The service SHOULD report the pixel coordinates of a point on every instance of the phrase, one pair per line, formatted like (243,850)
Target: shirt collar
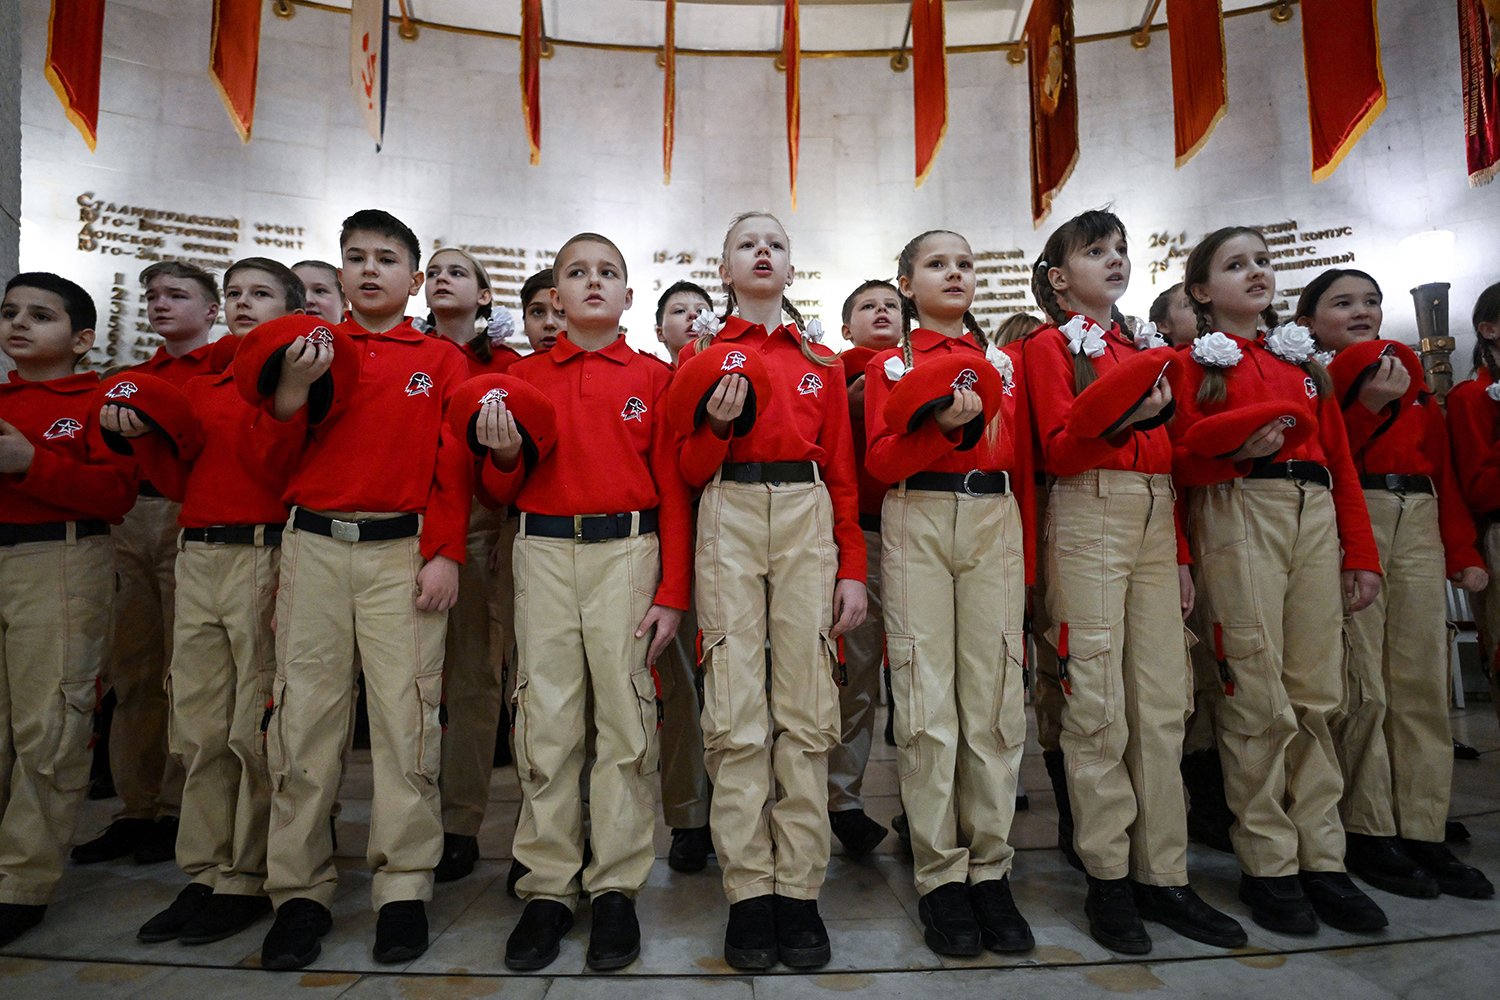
(565,350)
(74,383)
(925,340)
(401,331)
(736,328)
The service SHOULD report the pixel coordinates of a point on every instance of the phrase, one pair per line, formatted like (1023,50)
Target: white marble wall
(455,159)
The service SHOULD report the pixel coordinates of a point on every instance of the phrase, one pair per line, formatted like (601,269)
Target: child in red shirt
(325,296)
(58,488)
(542,319)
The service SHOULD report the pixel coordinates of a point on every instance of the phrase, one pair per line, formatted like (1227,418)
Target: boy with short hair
(601,560)
(380,516)
(182,302)
(58,488)
(223,650)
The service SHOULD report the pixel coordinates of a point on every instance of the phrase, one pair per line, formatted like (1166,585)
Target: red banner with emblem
(669,93)
(1345,84)
(791,55)
(75,49)
(1479,62)
(1200,91)
(1054,102)
(234,57)
(531,75)
(929,60)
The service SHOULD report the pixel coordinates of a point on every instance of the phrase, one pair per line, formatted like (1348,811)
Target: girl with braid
(780,555)
(1117,589)
(947,429)
(1275,498)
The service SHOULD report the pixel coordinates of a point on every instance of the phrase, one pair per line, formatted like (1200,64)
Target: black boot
(400,931)
(293,940)
(18,918)
(750,937)
(856,831)
(1453,876)
(801,938)
(1383,863)
(168,924)
(690,849)
(1113,919)
(224,915)
(1057,773)
(122,837)
(158,843)
(615,939)
(1278,904)
(1208,818)
(1184,911)
(1340,903)
(535,941)
(947,915)
(459,854)
(1001,926)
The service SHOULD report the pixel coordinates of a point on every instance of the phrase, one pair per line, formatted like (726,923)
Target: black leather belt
(869,522)
(974,482)
(589,527)
(769,472)
(235,534)
(384,530)
(1302,472)
(55,531)
(1398,483)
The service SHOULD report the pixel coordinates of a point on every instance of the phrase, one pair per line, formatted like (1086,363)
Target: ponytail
(1045,295)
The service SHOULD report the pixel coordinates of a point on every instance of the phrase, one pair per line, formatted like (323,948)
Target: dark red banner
(791,54)
(531,75)
(1478,27)
(929,60)
(234,57)
(1200,92)
(1054,102)
(75,47)
(1345,85)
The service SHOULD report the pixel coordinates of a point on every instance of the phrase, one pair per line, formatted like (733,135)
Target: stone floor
(1444,948)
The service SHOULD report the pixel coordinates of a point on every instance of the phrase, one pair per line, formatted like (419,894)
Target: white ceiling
(756,24)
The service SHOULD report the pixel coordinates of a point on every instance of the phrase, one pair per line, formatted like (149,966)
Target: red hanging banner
(1345,85)
(531,75)
(669,94)
(234,55)
(1479,63)
(1200,92)
(75,48)
(1054,102)
(929,58)
(791,51)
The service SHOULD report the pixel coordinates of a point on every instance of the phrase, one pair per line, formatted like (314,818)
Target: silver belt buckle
(344,531)
(968,476)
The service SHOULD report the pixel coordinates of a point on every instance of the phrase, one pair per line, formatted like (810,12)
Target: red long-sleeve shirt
(806,421)
(895,453)
(388,448)
(1474,435)
(614,450)
(871,490)
(73,476)
(1261,375)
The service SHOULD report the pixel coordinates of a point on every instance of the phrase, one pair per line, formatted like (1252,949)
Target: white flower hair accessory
(1324,358)
(1493,391)
(1147,337)
(1217,350)
(1084,336)
(501,327)
(706,323)
(1291,343)
(814,331)
(1003,364)
(895,368)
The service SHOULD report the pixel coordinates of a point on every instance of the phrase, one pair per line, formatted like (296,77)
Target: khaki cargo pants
(864,655)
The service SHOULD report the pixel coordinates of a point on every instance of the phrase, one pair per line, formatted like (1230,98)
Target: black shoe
(459,854)
(122,837)
(1184,911)
(158,843)
(535,941)
(750,937)
(400,931)
(18,918)
(857,832)
(615,939)
(1340,903)
(690,849)
(1001,926)
(1382,862)
(224,915)
(102,787)
(1278,904)
(947,916)
(1113,919)
(903,832)
(1208,817)
(292,941)
(517,872)
(1452,875)
(801,938)
(168,924)
(1057,773)
(1455,832)
(1023,802)
(1462,751)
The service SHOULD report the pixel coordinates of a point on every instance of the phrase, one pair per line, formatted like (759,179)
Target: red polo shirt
(1474,432)
(807,421)
(179,369)
(1261,375)
(387,448)
(502,356)
(614,450)
(73,476)
(871,490)
(895,453)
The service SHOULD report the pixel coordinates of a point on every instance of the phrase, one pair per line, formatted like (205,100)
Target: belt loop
(718,479)
(522,529)
(901,489)
(72,536)
(181,540)
(260,536)
(817,473)
(635,523)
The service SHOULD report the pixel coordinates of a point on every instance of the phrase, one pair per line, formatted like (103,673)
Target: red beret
(1100,411)
(257,363)
(1223,434)
(923,390)
(856,360)
(1353,365)
(536,418)
(698,377)
(222,355)
(160,404)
